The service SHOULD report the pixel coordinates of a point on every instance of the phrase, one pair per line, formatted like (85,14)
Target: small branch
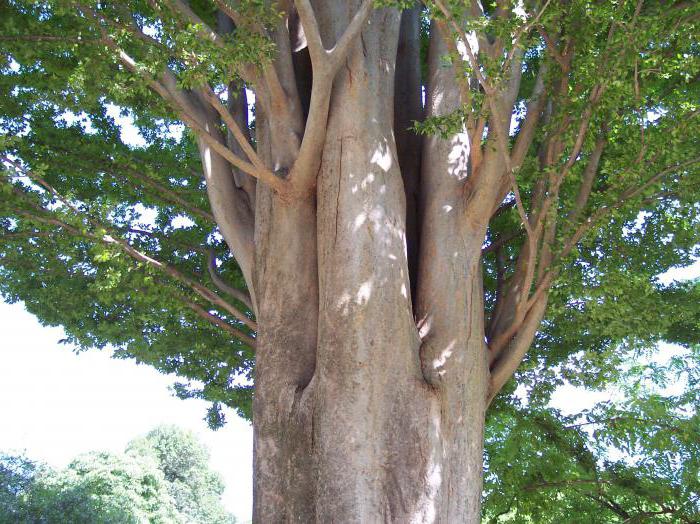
(47,38)
(165,193)
(626,195)
(587,179)
(488,89)
(521,31)
(223,286)
(552,48)
(527,131)
(500,242)
(500,286)
(232,126)
(564,483)
(219,322)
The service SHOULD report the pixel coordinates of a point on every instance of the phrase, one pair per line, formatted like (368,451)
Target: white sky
(55,405)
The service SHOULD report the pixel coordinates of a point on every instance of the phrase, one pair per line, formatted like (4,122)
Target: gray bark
(372,375)
(349,426)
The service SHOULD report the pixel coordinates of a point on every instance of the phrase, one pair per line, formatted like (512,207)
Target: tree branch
(509,360)
(587,179)
(232,126)
(108,239)
(223,286)
(219,322)
(325,63)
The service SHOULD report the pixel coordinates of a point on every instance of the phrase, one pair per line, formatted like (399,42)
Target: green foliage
(17,473)
(59,116)
(101,487)
(194,488)
(634,458)
(63,93)
(163,477)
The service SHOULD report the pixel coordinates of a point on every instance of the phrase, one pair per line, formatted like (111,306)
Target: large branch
(110,237)
(325,63)
(164,193)
(506,364)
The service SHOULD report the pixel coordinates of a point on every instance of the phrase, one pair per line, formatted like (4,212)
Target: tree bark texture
(372,366)
(356,419)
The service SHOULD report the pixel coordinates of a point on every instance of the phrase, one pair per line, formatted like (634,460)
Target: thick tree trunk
(350,426)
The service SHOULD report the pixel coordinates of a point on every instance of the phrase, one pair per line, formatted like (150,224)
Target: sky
(55,405)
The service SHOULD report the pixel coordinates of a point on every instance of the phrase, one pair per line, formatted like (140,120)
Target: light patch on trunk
(364,293)
(359,220)
(445,354)
(205,153)
(382,158)
(458,157)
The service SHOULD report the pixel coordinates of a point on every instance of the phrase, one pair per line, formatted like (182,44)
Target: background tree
(195,489)
(16,476)
(100,487)
(151,482)
(390,281)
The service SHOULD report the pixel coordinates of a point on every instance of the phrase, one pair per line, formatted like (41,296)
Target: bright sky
(55,405)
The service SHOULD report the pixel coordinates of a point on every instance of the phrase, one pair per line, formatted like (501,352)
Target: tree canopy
(633,457)
(114,241)
(113,237)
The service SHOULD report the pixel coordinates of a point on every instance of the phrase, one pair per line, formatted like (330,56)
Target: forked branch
(325,63)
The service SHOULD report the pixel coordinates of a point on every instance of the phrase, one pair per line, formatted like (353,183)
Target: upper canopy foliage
(111,236)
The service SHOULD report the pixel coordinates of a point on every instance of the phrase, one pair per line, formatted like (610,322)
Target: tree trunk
(356,419)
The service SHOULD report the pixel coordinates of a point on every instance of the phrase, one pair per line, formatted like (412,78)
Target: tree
(16,476)
(95,487)
(163,477)
(392,209)
(195,489)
